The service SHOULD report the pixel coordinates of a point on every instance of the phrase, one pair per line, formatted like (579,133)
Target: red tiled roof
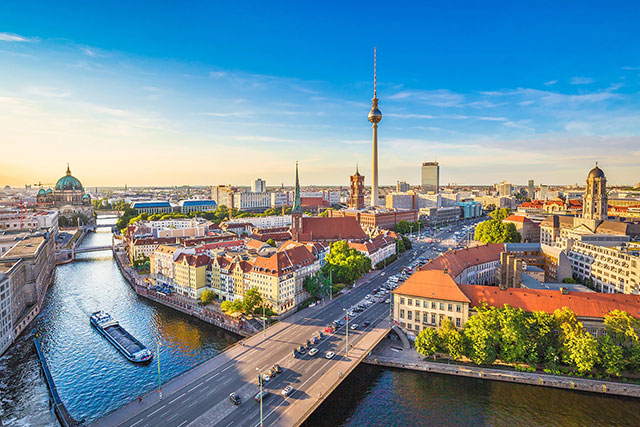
(313,201)
(432,284)
(584,304)
(337,228)
(193,260)
(254,243)
(517,218)
(456,261)
(283,262)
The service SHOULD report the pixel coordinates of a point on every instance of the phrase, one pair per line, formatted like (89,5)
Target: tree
(271,242)
(496,231)
(311,284)
(543,340)
(500,214)
(346,264)
(578,347)
(428,342)
(236,306)
(624,330)
(481,333)
(207,296)
(252,299)
(514,334)
(611,356)
(450,339)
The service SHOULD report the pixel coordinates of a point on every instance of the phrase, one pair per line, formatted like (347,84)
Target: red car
(329,329)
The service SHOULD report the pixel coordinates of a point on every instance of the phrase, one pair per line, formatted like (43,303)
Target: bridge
(81,250)
(200,396)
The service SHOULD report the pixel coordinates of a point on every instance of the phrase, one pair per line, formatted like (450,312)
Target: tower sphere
(375,115)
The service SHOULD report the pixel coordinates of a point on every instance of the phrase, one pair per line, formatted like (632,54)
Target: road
(200,397)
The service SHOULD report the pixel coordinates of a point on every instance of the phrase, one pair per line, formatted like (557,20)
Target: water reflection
(92,377)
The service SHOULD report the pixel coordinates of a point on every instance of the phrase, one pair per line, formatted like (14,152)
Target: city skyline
(140,108)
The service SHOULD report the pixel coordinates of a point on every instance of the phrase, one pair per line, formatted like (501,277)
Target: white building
(251,201)
(6,326)
(281,198)
(259,186)
(273,221)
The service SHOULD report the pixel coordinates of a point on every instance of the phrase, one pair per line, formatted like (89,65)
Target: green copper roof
(69,182)
(296,202)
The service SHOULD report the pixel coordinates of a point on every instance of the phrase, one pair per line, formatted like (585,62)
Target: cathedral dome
(42,192)
(69,183)
(596,172)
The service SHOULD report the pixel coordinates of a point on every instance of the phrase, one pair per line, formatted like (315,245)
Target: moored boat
(129,346)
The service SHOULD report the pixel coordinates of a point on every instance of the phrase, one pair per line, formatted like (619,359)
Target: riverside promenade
(391,354)
(209,314)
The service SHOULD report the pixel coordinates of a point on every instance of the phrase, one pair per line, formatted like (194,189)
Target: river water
(93,378)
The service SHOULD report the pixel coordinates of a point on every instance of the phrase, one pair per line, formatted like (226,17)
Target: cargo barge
(130,347)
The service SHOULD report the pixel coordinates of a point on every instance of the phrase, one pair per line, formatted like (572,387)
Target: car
(276,368)
(365,323)
(295,352)
(388,301)
(272,373)
(330,354)
(234,398)
(382,274)
(354,326)
(287,390)
(261,395)
(266,377)
(313,352)
(302,350)
(313,304)
(329,329)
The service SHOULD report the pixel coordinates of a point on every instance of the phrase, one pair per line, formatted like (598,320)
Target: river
(93,378)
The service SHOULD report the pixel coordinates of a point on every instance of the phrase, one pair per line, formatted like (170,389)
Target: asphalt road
(205,399)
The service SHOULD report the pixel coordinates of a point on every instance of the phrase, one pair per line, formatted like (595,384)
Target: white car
(330,354)
(313,352)
(354,326)
(266,377)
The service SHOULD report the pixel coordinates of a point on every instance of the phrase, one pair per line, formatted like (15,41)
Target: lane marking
(181,424)
(178,397)
(159,409)
(137,422)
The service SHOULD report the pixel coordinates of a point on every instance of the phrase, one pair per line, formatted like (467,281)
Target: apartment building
(190,274)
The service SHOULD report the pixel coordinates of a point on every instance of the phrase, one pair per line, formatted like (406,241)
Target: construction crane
(40,184)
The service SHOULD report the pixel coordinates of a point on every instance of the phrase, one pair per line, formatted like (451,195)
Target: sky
(207,93)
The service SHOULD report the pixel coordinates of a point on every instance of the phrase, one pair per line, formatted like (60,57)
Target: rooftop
(436,284)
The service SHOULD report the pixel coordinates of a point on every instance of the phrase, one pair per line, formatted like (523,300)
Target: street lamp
(159,380)
(260,384)
(347,317)
(391,310)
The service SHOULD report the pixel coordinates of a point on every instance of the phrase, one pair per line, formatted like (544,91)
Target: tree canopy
(496,231)
(346,264)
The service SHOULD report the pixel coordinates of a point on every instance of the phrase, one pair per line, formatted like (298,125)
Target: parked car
(295,352)
(276,368)
(234,398)
(266,377)
(262,395)
(313,352)
(329,329)
(302,350)
(330,354)
(287,390)
(365,323)
(354,326)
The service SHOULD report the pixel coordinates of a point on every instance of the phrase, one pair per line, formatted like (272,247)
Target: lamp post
(391,310)
(264,323)
(347,317)
(159,380)
(260,384)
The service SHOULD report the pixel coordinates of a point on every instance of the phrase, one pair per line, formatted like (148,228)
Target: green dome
(41,191)
(69,182)
(49,191)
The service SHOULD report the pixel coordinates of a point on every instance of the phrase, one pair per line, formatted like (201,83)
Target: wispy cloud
(48,92)
(446,116)
(550,82)
(437,98)
(630,68)
(232,114)
(11,37)
(582,81)
(262,138)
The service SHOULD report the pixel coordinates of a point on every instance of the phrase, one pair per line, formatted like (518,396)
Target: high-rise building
(402,186)
(374,117)
(430,179)
(504,188)
(531,190)
(259,186)
(356,200)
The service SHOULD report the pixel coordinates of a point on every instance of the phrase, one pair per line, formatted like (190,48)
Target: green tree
(312,285)
(346,264)
(271,242)
(496,231)
(252,299)
(500,214)
(515,332)
(543,340)
(207,296)
(624,330)
(450,339)
(236,306)
(428,342)
(481,333)
(611,356)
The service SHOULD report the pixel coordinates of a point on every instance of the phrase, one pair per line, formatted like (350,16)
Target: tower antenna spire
(375,73)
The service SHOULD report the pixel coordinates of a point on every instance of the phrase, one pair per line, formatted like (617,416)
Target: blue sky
(201,93)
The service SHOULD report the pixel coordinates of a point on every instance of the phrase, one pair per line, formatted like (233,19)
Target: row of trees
(405,227)
(496,231)
(248,305)
(512,335)
(105,205)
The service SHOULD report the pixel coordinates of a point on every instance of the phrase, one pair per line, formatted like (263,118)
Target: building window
(409,301)
(401,300)
(408,325)
(433,305)
(424,304)
(450,307)
(425,317)
(458,322)
(458,308)
(409,314)
(442,306)
(433,319)
(402,314)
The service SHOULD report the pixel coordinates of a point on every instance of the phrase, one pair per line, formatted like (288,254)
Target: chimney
(564,291)
(446,271)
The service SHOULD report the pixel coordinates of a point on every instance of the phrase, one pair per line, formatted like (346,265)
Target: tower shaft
(374,175)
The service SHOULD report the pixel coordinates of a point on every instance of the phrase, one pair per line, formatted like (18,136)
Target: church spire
(68,170)
(296,202)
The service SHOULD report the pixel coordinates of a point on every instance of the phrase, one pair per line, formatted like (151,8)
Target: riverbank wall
(537,379)
(207,314)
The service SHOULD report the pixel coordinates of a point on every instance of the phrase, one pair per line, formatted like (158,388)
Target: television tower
(374,117)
